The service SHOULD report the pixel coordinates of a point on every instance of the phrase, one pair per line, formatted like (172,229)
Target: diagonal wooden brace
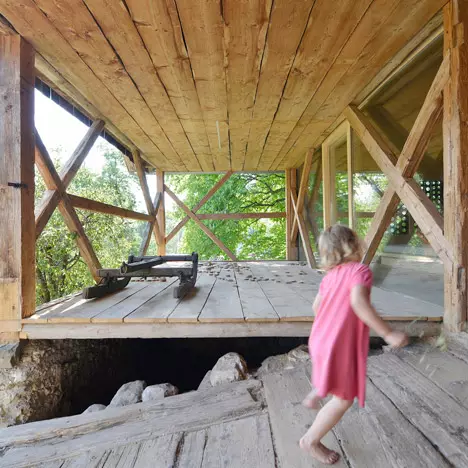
(197,221)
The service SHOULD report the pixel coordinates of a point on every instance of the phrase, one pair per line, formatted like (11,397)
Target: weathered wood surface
(17,241)
(75,435)
(380,436)
(223,304)
(424,404)
(290,420)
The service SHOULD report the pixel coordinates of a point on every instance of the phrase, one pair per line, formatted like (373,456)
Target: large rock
(158,392)
(128,394)
(230,368)
(94,408)
(205,383)
(296,357)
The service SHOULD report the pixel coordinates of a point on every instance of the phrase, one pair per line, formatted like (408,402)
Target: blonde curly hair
(339,244)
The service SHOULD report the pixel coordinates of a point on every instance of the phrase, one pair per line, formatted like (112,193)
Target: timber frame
(289,138)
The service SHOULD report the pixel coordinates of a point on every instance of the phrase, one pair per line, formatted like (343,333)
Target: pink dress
(339,341)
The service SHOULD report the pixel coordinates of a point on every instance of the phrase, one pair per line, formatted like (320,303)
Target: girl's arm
(363,308)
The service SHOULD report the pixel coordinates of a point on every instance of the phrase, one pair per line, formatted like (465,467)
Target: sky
(59,130)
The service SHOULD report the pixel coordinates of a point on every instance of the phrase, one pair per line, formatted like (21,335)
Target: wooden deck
(416,416)
(231,299)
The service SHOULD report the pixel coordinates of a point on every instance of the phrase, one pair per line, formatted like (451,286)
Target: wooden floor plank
(192,451)
(160,452)
(156,309)
(240,444)
(69,437)
(255,305)
(380,436)
(445,370)
(223,304)
(458,345)
(290,420)
(190,307)
(437,415)
(396,304)
(129,305)
(84,311)
(121,456)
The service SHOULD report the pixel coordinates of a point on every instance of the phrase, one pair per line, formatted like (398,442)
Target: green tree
(59,267)
(242,193)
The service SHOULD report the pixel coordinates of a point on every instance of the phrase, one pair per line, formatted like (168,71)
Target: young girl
(339,341)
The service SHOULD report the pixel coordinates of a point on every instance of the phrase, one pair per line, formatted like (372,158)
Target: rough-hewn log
(197,221)
(99,207)
(455,124)
(17,241)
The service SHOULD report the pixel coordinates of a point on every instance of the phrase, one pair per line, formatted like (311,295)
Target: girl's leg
(312,400)
(326,419)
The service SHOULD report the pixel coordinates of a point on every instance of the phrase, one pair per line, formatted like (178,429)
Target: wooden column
(455,126)
(161,213)
(328,188)
(17,230)
(292,252)
(350,160)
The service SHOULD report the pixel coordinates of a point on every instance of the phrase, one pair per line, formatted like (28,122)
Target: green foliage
(242,193)
(59,267)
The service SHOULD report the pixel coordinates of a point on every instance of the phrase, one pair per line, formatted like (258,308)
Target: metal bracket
(17,185)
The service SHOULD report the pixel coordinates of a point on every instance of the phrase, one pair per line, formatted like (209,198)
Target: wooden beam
(420,206)
(291,247)
(303,188)
(161,212)
(327,188)
(303,231)
(55,187)
(211,192)
(75,161)
(146,238)
(350,166)
(455,164)
(197,221)
(99,207)
(272,215)
(17,241)
(53,181)
(146,194)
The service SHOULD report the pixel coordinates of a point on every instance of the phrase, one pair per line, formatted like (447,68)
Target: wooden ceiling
(210,85)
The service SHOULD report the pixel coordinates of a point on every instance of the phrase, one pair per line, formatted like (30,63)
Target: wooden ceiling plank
(401,25)
(34,26)
(245,32)
(116,24)
(288,21)
(203,29)
(328,30)
(158,24)
(76,24)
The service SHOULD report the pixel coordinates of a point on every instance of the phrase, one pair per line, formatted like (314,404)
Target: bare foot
(320,452)
(312,400)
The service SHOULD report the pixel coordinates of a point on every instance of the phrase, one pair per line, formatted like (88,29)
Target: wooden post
(350,160)
(327,188)
(456,163)
(292,252)
(161,213)
(17,230)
